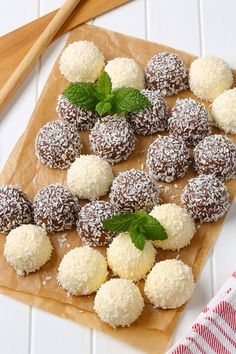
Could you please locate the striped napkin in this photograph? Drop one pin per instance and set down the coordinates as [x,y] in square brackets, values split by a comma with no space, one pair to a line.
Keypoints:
[215,328]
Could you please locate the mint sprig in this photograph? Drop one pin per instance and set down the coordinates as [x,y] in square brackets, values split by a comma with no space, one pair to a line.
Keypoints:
[99,97]
[140,225]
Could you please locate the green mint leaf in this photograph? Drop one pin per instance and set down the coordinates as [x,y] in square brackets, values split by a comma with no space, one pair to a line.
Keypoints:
[83,95]
[154,230]
[127,99]
[103,107]
[109,97]
[141,215]
[119,223]
[137,236]
[103,85]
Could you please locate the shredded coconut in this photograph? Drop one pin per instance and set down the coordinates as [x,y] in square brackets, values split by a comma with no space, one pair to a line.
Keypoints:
[166,73]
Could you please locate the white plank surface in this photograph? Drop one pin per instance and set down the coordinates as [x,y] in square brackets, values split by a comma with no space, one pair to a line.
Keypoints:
[196,26]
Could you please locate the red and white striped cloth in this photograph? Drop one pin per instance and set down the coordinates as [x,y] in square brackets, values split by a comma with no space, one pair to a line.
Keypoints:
[215,328]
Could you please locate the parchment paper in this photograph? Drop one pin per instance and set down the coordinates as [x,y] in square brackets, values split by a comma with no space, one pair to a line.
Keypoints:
[153,330]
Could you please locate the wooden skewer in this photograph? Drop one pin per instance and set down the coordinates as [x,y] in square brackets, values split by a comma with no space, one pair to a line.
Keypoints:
[36,50]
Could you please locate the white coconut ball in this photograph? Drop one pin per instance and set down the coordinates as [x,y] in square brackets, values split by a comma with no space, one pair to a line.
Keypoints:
[27,248]
[82,271]
[178,224]
[209,76]
[127,261]
[169,284]
[89,177]
[125,72]
[81,61]
[118,302]
[224,111]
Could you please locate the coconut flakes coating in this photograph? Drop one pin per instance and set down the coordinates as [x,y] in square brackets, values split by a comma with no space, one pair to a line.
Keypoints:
[89,177]
[168,159]
[205,198]
[127,261]
[82,271]
[224,111]
[15,208]
[55,208]
[118,302]
[125,72]
[82,119]
[81,61]
[166,73]
[151,119]
[178,224]
[190,121]
[89,223]
[58,144]
[216,155]
[169,284]
[209,76]
[27,248]
[112,138]
[134,190]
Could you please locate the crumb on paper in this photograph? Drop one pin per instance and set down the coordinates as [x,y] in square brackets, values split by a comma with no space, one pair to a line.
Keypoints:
[166,189]
[61,240]
[174,196]
[46,279]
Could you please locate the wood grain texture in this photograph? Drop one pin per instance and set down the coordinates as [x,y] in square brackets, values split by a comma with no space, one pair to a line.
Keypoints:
[15,45]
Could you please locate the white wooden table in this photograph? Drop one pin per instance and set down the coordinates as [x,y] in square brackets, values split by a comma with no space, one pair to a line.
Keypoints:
[196,26]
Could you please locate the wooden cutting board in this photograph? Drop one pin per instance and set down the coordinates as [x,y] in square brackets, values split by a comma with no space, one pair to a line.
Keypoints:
[14,45]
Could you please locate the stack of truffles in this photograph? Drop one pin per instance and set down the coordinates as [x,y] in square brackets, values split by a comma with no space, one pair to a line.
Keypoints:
[115,126]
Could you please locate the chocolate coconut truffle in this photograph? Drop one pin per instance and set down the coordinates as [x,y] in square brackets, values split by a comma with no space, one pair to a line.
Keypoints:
[89,223]
[169,284]
[166,73]
[224,111]
[216,155]
[55,208]
[127,261]
[205,198]
[190,121]
[27,248]
[82,271]
[134,190]
[151,119]
[15,208]
[89,177]
[178,224]
[125,72]
[112,138]
[209,76]
[58,144]
[81,61]
[118,302]
[82,119]
[168,158]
